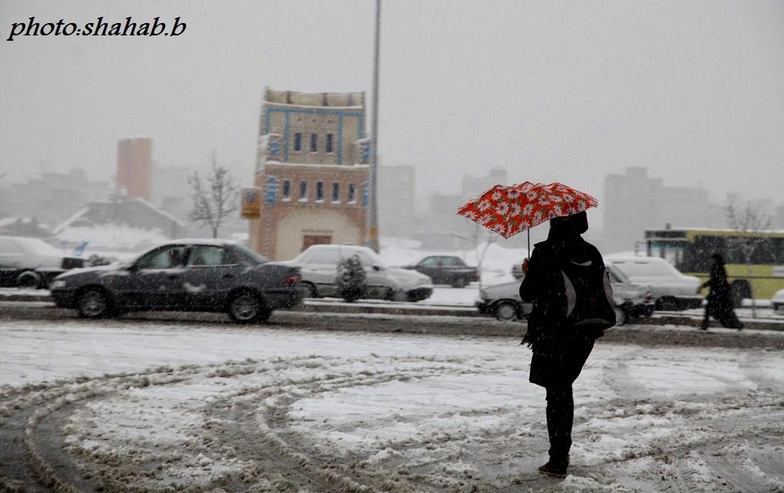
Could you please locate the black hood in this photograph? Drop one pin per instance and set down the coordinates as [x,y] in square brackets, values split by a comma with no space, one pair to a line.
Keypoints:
[568,227]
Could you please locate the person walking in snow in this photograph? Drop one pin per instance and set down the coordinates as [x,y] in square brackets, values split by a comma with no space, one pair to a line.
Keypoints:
[561,347]
[720,305]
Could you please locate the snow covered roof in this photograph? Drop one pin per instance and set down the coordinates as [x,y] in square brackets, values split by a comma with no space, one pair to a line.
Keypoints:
[158,211]
[310,99]
[94,209]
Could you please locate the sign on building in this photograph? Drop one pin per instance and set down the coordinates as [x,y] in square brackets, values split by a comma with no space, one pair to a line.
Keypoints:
[251,202]
[364,150]
[271,190]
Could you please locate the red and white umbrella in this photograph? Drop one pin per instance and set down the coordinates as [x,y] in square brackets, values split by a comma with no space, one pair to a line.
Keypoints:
[508,210]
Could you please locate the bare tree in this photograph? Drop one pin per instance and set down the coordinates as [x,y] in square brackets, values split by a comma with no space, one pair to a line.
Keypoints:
[751,220]
[477,236]
[214,197]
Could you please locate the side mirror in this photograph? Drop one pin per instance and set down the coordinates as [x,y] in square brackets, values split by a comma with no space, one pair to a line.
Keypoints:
[376,268]
[132,268]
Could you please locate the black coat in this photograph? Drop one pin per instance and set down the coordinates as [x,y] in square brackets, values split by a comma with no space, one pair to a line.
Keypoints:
[559,351]
[720,304]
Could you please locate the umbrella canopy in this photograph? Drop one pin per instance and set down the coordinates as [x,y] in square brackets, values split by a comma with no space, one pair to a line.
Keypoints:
[509,210]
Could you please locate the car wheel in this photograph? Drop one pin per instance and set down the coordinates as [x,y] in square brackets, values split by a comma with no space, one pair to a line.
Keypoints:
[506,310]
[29,280]
[246,307]
[621,316]
[309,290]
[460,283]
[93,303]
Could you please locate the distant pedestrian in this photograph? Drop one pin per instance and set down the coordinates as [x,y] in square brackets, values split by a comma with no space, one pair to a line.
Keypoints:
[567,283]
[720,304]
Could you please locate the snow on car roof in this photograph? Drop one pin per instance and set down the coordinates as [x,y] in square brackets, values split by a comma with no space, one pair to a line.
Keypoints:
[632,258]
[199,241]
[336,245]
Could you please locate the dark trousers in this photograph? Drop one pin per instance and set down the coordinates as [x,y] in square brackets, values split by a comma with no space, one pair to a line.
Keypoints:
[560,415]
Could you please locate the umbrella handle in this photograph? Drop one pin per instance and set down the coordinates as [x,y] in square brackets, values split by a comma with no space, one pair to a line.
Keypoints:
[528,252]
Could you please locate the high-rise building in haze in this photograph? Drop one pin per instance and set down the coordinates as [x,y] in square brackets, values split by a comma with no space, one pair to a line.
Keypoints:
[396,200]
[634,202]
[134,167]
[313,172]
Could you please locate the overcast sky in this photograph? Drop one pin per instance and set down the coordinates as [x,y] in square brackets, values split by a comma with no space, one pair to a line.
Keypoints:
[550,90]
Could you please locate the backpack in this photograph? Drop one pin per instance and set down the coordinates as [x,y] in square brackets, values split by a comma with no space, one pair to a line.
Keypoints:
[588,294]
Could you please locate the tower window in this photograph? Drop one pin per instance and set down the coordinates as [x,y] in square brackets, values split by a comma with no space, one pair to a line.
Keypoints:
[336,192]
[319,191]
[352,193]
[313,142]
[330,147]
[297,141]
[286,190]
[303,191]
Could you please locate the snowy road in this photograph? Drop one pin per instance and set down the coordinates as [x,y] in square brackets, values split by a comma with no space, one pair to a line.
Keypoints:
[142,406]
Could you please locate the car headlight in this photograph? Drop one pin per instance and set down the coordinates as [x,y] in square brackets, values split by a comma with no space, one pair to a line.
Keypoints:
[59,283]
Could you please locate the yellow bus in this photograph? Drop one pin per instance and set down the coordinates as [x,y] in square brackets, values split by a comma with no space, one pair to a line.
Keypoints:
[690,250]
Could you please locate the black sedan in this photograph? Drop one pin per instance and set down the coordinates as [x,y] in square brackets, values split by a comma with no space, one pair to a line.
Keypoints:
[446,269]
[185,275]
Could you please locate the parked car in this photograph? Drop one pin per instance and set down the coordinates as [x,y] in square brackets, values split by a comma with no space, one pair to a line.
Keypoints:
[777,302]
[503,300]
[318,265]
[31,262]
[671,289]
[635,300]
[183,275]
[446,269]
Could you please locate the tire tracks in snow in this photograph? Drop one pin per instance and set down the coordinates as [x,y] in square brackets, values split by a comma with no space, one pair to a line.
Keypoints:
[750,416]
[253,424]
[264,433]
[33,419]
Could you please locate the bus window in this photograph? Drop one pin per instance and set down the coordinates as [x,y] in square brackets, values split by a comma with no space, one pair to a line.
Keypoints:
[777,244]
[760,251]
[697,257]
[671,251]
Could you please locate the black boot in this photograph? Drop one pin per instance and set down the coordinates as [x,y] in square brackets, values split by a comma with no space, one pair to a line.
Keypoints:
[555,470]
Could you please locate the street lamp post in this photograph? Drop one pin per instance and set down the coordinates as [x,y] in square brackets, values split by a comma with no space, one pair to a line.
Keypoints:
[372,209]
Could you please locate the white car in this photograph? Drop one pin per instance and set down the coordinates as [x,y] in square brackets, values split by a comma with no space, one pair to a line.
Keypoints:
[318,265]
[671,290]
[631,300]
[777,302]
[31,263]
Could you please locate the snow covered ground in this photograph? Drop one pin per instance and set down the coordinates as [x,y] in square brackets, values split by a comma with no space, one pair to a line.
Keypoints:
[157,406]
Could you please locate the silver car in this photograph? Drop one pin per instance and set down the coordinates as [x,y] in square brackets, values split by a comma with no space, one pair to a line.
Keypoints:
[318,265]
[631,300]
[32,263]
[777,302]
[671,289]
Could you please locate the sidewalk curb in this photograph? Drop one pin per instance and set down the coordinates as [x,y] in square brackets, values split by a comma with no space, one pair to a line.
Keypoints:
[434,311]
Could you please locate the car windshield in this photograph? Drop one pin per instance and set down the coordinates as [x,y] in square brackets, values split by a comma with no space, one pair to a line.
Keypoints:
[618,273]
[374,258]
